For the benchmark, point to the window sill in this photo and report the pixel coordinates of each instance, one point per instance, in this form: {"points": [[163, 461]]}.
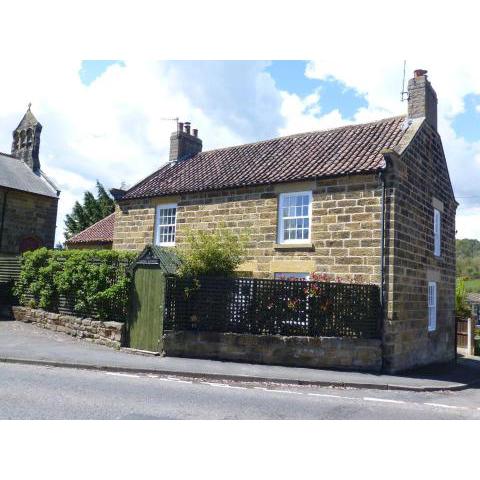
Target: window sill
{"points": [[306, 247]]}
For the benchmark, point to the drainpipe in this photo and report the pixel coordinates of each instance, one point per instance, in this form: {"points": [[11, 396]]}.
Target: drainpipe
{"points": [[2, 220], [382, 246]]}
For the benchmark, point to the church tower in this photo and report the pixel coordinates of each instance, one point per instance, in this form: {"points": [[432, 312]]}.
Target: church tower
{"points": [[26, 140]]}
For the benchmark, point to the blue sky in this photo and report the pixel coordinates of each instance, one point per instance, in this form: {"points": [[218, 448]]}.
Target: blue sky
{"points": [[105, 119], [92, 69], [290, 76], [467, 124]]}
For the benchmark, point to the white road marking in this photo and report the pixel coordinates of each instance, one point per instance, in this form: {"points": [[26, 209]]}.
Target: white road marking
{"points": [[386, 400], [443, 405], [222, 385], [285, 391], [234, 386], [324, 395], [174, 379], [116, 374], [332, 396]]}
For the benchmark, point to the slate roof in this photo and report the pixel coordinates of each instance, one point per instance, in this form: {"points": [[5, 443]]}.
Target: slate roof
{"points": [[354, 149], [100, 232], [165, 257], [28, 120], [16, 174]]}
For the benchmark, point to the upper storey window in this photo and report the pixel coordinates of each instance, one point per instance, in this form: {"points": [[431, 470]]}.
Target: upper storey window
{"points": [[295, 217]]}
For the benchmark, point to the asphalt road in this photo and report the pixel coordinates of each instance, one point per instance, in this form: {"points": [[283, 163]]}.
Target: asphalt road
{"points": [[33, 392]]}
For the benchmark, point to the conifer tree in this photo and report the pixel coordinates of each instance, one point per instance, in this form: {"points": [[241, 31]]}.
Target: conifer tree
{"points": [[91, 211]]}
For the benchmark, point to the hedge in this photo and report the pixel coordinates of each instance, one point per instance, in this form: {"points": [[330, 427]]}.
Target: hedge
{"points": [[93, 282]]}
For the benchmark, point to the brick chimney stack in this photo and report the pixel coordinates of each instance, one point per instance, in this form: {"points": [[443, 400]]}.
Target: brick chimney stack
{"points": [[422, 99], [184, 145]]}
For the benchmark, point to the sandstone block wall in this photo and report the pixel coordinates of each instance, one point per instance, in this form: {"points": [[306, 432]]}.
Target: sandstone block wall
{"points": [[27, 215], [418, 182], [345, 226], [321, 352], [111, 334]]}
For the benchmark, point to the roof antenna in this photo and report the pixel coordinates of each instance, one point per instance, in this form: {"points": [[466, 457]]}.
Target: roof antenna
{"points": [[404, 94]]}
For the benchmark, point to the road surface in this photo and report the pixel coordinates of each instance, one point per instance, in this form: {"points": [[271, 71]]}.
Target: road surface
{"points": [[38, 392]]}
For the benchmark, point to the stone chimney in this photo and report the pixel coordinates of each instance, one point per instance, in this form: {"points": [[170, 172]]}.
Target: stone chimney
{"points": [[183, 144], [117, 193], [422, 99]]}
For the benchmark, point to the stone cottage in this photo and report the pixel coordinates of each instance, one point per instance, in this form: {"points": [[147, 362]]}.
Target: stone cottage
{"points": [[28, 198], [371, 203], [98, 236]]}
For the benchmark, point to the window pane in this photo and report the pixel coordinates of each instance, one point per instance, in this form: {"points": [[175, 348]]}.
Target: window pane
{"points": [[166, 218], [295, 221]]}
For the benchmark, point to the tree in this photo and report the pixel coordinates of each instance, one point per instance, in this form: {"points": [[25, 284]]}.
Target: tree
{"points": [[92, 210], [462, 310], [468, 258]]}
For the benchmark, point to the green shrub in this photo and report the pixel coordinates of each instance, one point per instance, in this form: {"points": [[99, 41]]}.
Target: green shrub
{"points": [[36, 284], [91, 280], [216, 253], [462, 310]]}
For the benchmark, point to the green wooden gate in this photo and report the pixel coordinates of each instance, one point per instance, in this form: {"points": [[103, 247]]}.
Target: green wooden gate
{"points": [[145, 322], [146, 318]]}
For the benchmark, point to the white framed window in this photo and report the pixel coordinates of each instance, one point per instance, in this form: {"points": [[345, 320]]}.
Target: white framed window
{"points": [[295, 217], [437, 232], [432, 306], [165, 223], [291, 276]]}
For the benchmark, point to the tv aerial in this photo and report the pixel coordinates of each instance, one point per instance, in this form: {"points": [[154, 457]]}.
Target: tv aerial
{"points": [[404, 93]]}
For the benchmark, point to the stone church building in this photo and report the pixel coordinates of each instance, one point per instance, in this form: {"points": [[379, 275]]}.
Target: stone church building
{"points": [[28, 198]]}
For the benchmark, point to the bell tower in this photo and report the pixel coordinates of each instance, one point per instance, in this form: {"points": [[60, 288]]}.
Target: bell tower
{"points": [[26, 140]]}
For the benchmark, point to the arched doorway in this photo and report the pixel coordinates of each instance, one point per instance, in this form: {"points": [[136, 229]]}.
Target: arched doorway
{"points": [[29, 243]]}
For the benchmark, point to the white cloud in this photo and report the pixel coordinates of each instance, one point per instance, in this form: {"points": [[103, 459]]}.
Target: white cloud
{"points": [[304, 114], [113, 130], [453, 77]]}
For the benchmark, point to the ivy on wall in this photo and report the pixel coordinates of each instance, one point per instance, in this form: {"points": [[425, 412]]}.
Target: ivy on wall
{"points": [[92, 282]]}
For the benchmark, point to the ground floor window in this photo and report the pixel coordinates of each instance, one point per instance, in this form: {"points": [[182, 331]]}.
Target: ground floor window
{"points": [[291, 276]]}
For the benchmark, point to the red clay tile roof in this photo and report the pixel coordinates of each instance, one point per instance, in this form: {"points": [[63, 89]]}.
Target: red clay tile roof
{"points": [[100, 232], [341, 151]]}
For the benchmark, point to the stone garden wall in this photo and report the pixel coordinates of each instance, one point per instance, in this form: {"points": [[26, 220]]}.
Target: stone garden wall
{"points": [[319, 352], [111, 334]]}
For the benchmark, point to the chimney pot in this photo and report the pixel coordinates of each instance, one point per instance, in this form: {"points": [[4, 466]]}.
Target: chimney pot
{"points": [[195, 132], [180, 126], [420, 73], [187, 127]]}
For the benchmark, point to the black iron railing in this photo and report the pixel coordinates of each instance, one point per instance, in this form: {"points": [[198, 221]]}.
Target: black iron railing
{"points": [[272, 307]]}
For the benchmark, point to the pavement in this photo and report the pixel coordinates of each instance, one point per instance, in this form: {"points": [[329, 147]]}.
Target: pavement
{"points": [[27, 344]]}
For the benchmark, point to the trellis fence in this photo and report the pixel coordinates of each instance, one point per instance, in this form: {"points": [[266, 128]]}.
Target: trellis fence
{"points": [[272, 307], [9, 272]]}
